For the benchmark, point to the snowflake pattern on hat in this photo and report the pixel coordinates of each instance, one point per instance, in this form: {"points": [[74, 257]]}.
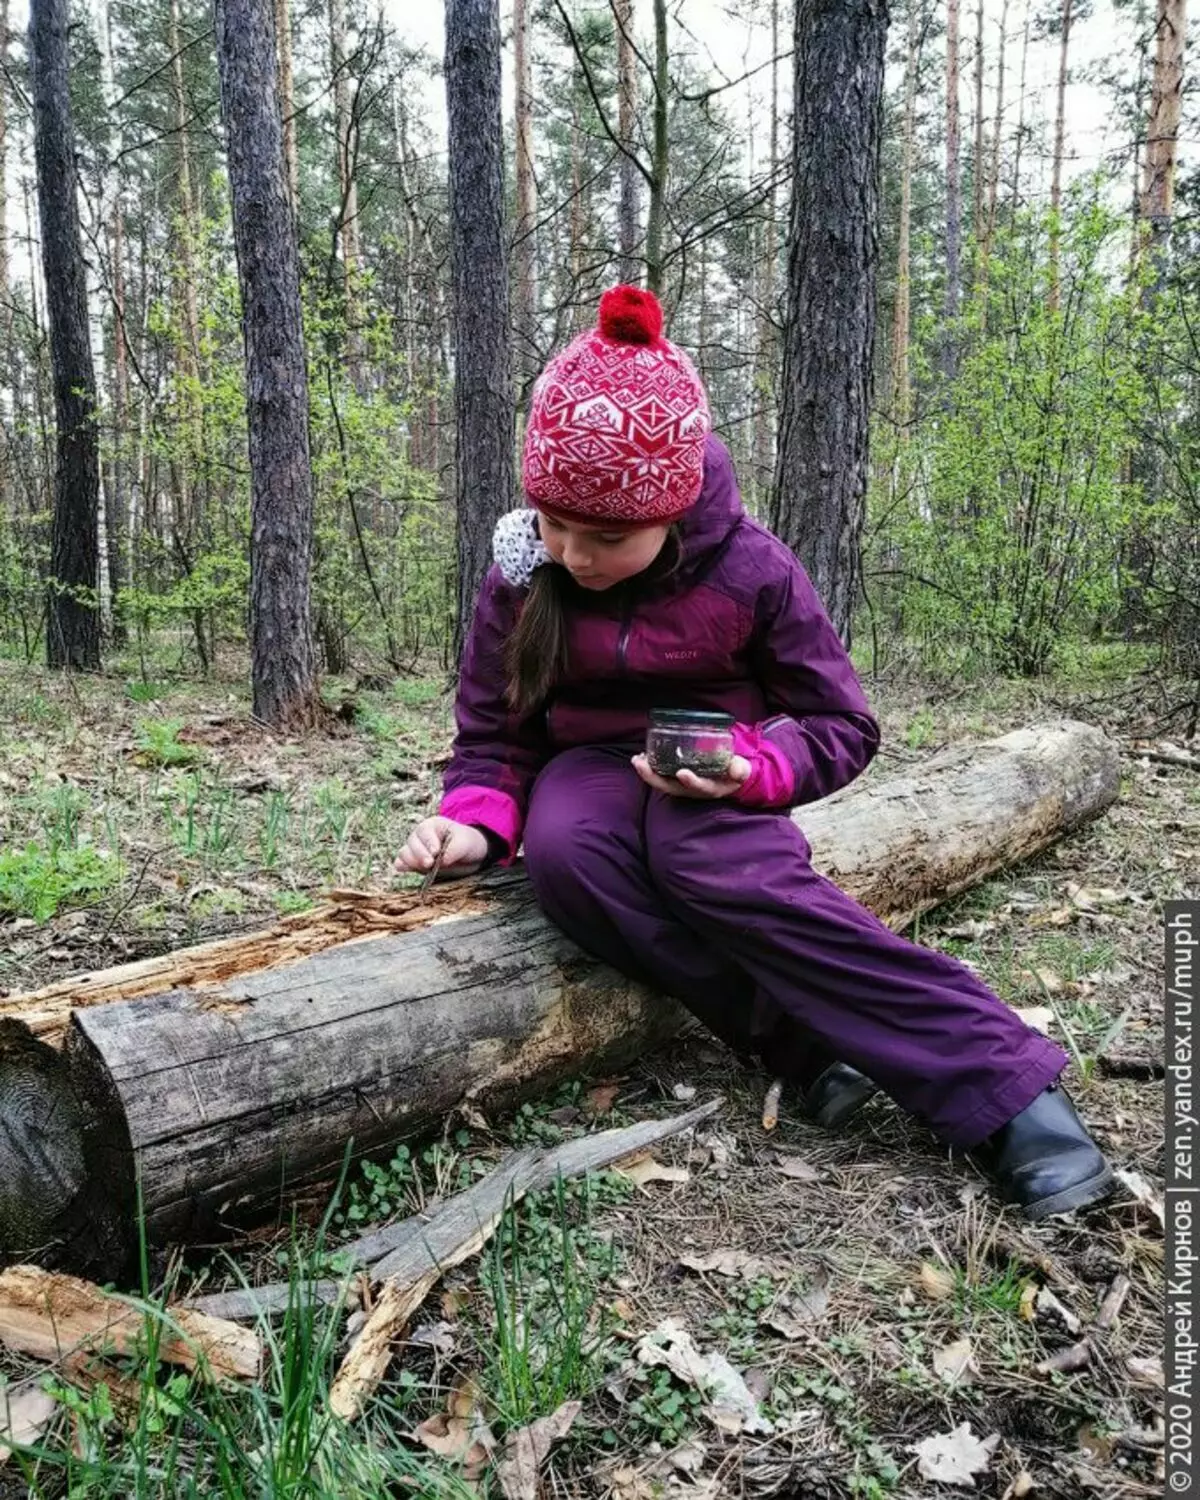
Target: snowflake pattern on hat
{"points": [[618, 421], [517, 547]]}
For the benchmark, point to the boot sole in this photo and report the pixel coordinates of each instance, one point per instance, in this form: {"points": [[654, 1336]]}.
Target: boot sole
{"points": [[845, 1106], [1078, 1195]]}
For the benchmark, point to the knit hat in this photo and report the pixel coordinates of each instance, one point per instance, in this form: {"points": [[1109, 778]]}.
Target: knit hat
{"points": [[618, 421]]}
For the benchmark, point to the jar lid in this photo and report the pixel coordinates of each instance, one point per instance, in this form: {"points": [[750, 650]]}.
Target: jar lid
{"points": [[690, 718]]}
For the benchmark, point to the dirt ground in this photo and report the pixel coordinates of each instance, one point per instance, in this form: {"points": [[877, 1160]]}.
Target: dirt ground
{"points": [[867, 1285]]}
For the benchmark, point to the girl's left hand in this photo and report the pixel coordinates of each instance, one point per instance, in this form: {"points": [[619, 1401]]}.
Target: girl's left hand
{"points": [[688, 784]]}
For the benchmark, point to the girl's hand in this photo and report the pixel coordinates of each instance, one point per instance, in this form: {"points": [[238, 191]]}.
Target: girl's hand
{"points": [[697, 788], [463, 848]]}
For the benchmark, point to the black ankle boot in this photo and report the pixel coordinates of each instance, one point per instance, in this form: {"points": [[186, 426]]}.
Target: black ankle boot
{"points": [[1044, 1161], [836, 1095]]}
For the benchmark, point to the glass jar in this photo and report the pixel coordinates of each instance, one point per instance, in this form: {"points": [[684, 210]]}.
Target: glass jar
{"points": [[682, 739]]}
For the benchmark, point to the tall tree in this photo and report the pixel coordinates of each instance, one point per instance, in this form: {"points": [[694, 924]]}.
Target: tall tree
{"points": [[73, 615], [282, 661], [902, 314], [627, 95], [821, 472], [287, 98], [661, 160], [483, 398], [1156, 202], [525, 233], [1060, 136], [346, 126], [953, 291], [766, 352]]}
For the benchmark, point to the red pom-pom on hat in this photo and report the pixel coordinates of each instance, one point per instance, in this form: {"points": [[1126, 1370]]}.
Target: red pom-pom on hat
{"points": [[629, 315]]}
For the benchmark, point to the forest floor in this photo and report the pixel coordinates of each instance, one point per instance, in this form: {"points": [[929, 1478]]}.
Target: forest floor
{"points": [[866, 1285]]}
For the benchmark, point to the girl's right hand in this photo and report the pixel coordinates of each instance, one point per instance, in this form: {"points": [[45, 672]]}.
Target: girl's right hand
{"points": [[464, 848]]}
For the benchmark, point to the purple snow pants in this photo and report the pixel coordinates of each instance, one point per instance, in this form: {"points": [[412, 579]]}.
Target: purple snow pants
{"points": [[719, 905]]}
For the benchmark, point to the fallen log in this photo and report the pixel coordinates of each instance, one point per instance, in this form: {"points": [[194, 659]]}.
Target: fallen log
{"points": [[211, 1080]]}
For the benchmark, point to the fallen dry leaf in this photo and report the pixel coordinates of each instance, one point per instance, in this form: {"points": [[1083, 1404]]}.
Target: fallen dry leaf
{"points": [[955, 1457], [25, 1413], [936, 1282], [796, 1168], [955, 1363], [796, 1315], [526, 1450], [1040, 1017], [599, 1100], [460, 1433], [644, 1169], [730, 1262], [731, 1407], [1143, 1192], [1047, 979]]}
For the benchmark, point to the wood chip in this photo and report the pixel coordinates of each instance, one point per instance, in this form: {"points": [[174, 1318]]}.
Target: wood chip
{"points": [[49, 1315]]}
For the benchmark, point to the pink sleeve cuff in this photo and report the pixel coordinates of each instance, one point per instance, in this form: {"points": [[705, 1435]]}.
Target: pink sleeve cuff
{"points": [[771, 781], [494, 809]]}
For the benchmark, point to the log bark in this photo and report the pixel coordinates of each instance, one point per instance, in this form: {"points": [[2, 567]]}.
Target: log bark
{"points": [[232, 1073]]}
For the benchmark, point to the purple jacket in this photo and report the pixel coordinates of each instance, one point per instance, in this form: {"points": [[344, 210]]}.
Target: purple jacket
{"points": [[737, 626]]}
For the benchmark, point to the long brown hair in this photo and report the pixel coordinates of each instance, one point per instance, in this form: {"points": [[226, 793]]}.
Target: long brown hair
{"points": [[536, 656]]}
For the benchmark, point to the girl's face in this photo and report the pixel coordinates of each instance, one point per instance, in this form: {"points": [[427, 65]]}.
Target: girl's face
{"points": [[599, 557]]}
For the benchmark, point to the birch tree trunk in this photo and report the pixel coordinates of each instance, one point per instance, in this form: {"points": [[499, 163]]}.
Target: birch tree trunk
{"points": [[821, 473], [73, 614], [282, 660], [482, 360]]}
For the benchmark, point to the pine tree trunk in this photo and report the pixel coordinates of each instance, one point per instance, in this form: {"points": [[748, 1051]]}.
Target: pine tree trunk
{"points": [[821, 475], [627, 204], [282, 660], [902, 322], [1060, 132], [73, 618], [953, 290], [658, 174], [482, 361], [287, 99], [1155, 211], [525, 235]]}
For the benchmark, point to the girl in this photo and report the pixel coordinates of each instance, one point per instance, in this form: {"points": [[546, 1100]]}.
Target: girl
{"points": [[637, 582]]}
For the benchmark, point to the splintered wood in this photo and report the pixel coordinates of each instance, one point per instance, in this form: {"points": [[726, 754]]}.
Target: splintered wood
{"points": [[51, 1316], [348, 916]]}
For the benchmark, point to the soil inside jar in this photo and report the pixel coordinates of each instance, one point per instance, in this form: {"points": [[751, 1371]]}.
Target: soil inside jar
{"points": [[713, 763]]}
